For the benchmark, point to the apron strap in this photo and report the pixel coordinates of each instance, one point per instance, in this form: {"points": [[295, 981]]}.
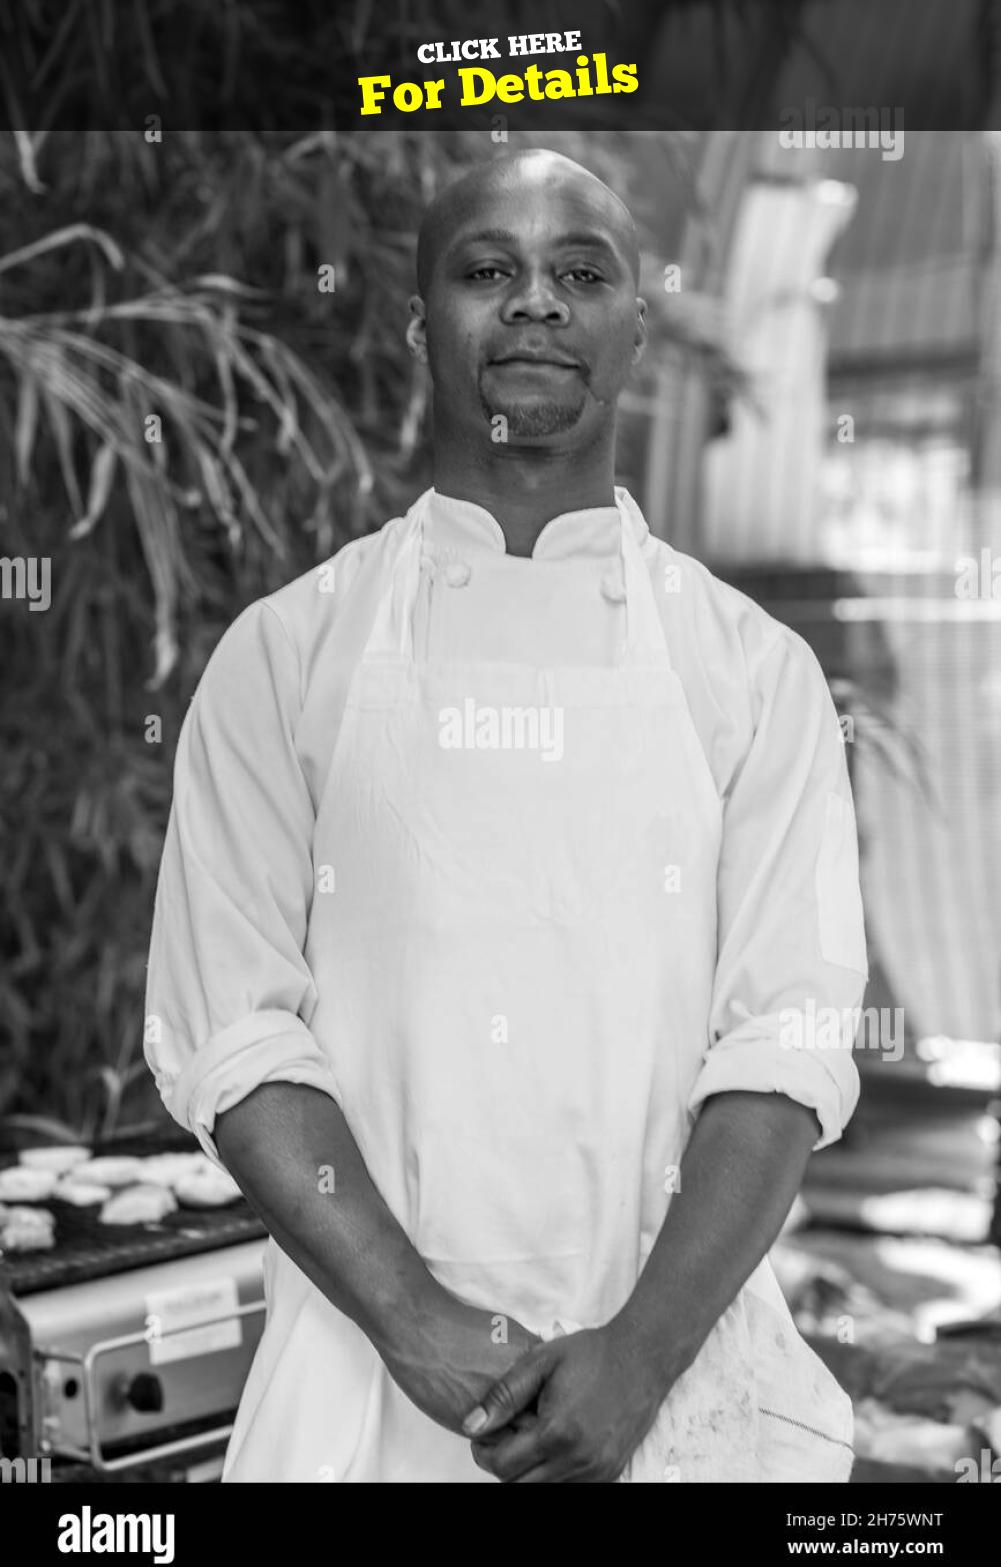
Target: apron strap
{"points": [[646, 641], [392, 633], [391, 636]]}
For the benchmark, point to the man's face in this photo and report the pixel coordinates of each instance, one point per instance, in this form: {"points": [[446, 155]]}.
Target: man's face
{"points": [[531, 313]]}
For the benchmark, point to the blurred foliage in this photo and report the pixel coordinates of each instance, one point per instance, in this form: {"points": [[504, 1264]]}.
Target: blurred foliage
{"points": [[176, 280], [179, 280]]}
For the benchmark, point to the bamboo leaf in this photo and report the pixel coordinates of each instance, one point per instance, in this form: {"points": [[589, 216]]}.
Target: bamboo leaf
{"points": [[154, 75], [66, 236], [102, 474], [153, 520], [47, 1125], [26, 148], [228, 285], [62, 431], [62, 32], [26, 426]]}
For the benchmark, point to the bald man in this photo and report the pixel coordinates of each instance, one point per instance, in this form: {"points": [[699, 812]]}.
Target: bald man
{"points": [[508, 938]]}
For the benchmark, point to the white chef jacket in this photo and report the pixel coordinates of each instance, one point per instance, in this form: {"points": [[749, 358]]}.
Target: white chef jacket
{"points": [[230, 995]]}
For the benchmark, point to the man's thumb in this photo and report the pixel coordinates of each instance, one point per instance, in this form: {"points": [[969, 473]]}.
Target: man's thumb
{"points": [[509, 1395]]}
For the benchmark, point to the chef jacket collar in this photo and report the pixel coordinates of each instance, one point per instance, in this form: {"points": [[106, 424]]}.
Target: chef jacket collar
{"points": [[467, 529]]}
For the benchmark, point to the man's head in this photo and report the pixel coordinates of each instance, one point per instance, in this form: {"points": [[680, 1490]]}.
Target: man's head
{"points": [[527, 271]]}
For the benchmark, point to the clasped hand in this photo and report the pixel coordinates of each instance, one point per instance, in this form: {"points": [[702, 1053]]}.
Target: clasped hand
{"points": [[572, 1410]]}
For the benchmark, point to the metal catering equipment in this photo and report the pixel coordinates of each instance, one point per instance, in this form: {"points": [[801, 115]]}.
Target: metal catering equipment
{"points": [[124, 1349]]}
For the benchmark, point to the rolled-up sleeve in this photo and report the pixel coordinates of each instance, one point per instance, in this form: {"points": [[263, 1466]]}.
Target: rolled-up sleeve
{"points": [[791, 955], [229, 994]]}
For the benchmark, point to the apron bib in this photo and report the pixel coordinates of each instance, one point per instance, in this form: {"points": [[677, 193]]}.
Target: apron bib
{"points": [[522, 939]]}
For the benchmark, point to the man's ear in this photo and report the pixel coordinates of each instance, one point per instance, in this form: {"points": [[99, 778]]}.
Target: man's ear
{"points": [[417, 330], [639, 338]]}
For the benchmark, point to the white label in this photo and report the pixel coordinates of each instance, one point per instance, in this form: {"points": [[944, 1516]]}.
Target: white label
{"points": [[167, 1311]]}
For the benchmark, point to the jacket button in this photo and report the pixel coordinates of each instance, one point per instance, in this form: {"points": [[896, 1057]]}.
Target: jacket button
{"points": [[457, 574], [613, 587]]}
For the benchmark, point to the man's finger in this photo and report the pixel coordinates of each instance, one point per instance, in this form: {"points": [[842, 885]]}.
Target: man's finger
{"points": [[550, 1473], [513, 1453], [522, 1422], [510, 1394]]}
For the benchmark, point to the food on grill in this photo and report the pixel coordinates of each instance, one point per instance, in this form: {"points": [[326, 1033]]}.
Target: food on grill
{"points": [[128, 1189], [19, 1184], [115, 1170], [208, 1187], [138, 1205], [18, 1236], [165, 1169], [59, 1158], [26, 1229], [37, 1218], [81, 1193]]}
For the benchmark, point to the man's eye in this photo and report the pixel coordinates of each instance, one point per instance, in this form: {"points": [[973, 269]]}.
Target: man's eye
{"points": [[584, 275], [487, 271]]}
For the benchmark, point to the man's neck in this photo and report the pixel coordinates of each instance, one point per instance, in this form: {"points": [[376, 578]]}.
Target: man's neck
{"points": [[525, 488]]}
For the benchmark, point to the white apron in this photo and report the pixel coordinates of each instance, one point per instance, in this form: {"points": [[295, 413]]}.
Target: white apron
{"points": [[524, 942]]}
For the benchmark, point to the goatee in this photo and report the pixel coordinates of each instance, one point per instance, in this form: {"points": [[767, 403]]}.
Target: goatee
{"points": [[535, 418]]}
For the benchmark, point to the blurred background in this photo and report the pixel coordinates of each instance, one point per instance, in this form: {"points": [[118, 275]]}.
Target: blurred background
{"points": [[204, 391]]}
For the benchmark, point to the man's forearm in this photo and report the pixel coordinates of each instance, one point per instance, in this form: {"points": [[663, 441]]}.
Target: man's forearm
{"points": [[291, 1150], [296, 1159], [741, 1170]]}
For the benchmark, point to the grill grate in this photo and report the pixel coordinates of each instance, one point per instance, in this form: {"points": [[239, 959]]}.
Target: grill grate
{"points": [[85, 1249]]}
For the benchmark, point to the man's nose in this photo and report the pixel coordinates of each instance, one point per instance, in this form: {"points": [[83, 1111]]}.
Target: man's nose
{"points": [[535, 299]]}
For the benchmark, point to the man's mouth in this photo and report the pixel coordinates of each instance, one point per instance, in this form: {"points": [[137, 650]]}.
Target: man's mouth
{"points": [[547, 361], [537, 353]]}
